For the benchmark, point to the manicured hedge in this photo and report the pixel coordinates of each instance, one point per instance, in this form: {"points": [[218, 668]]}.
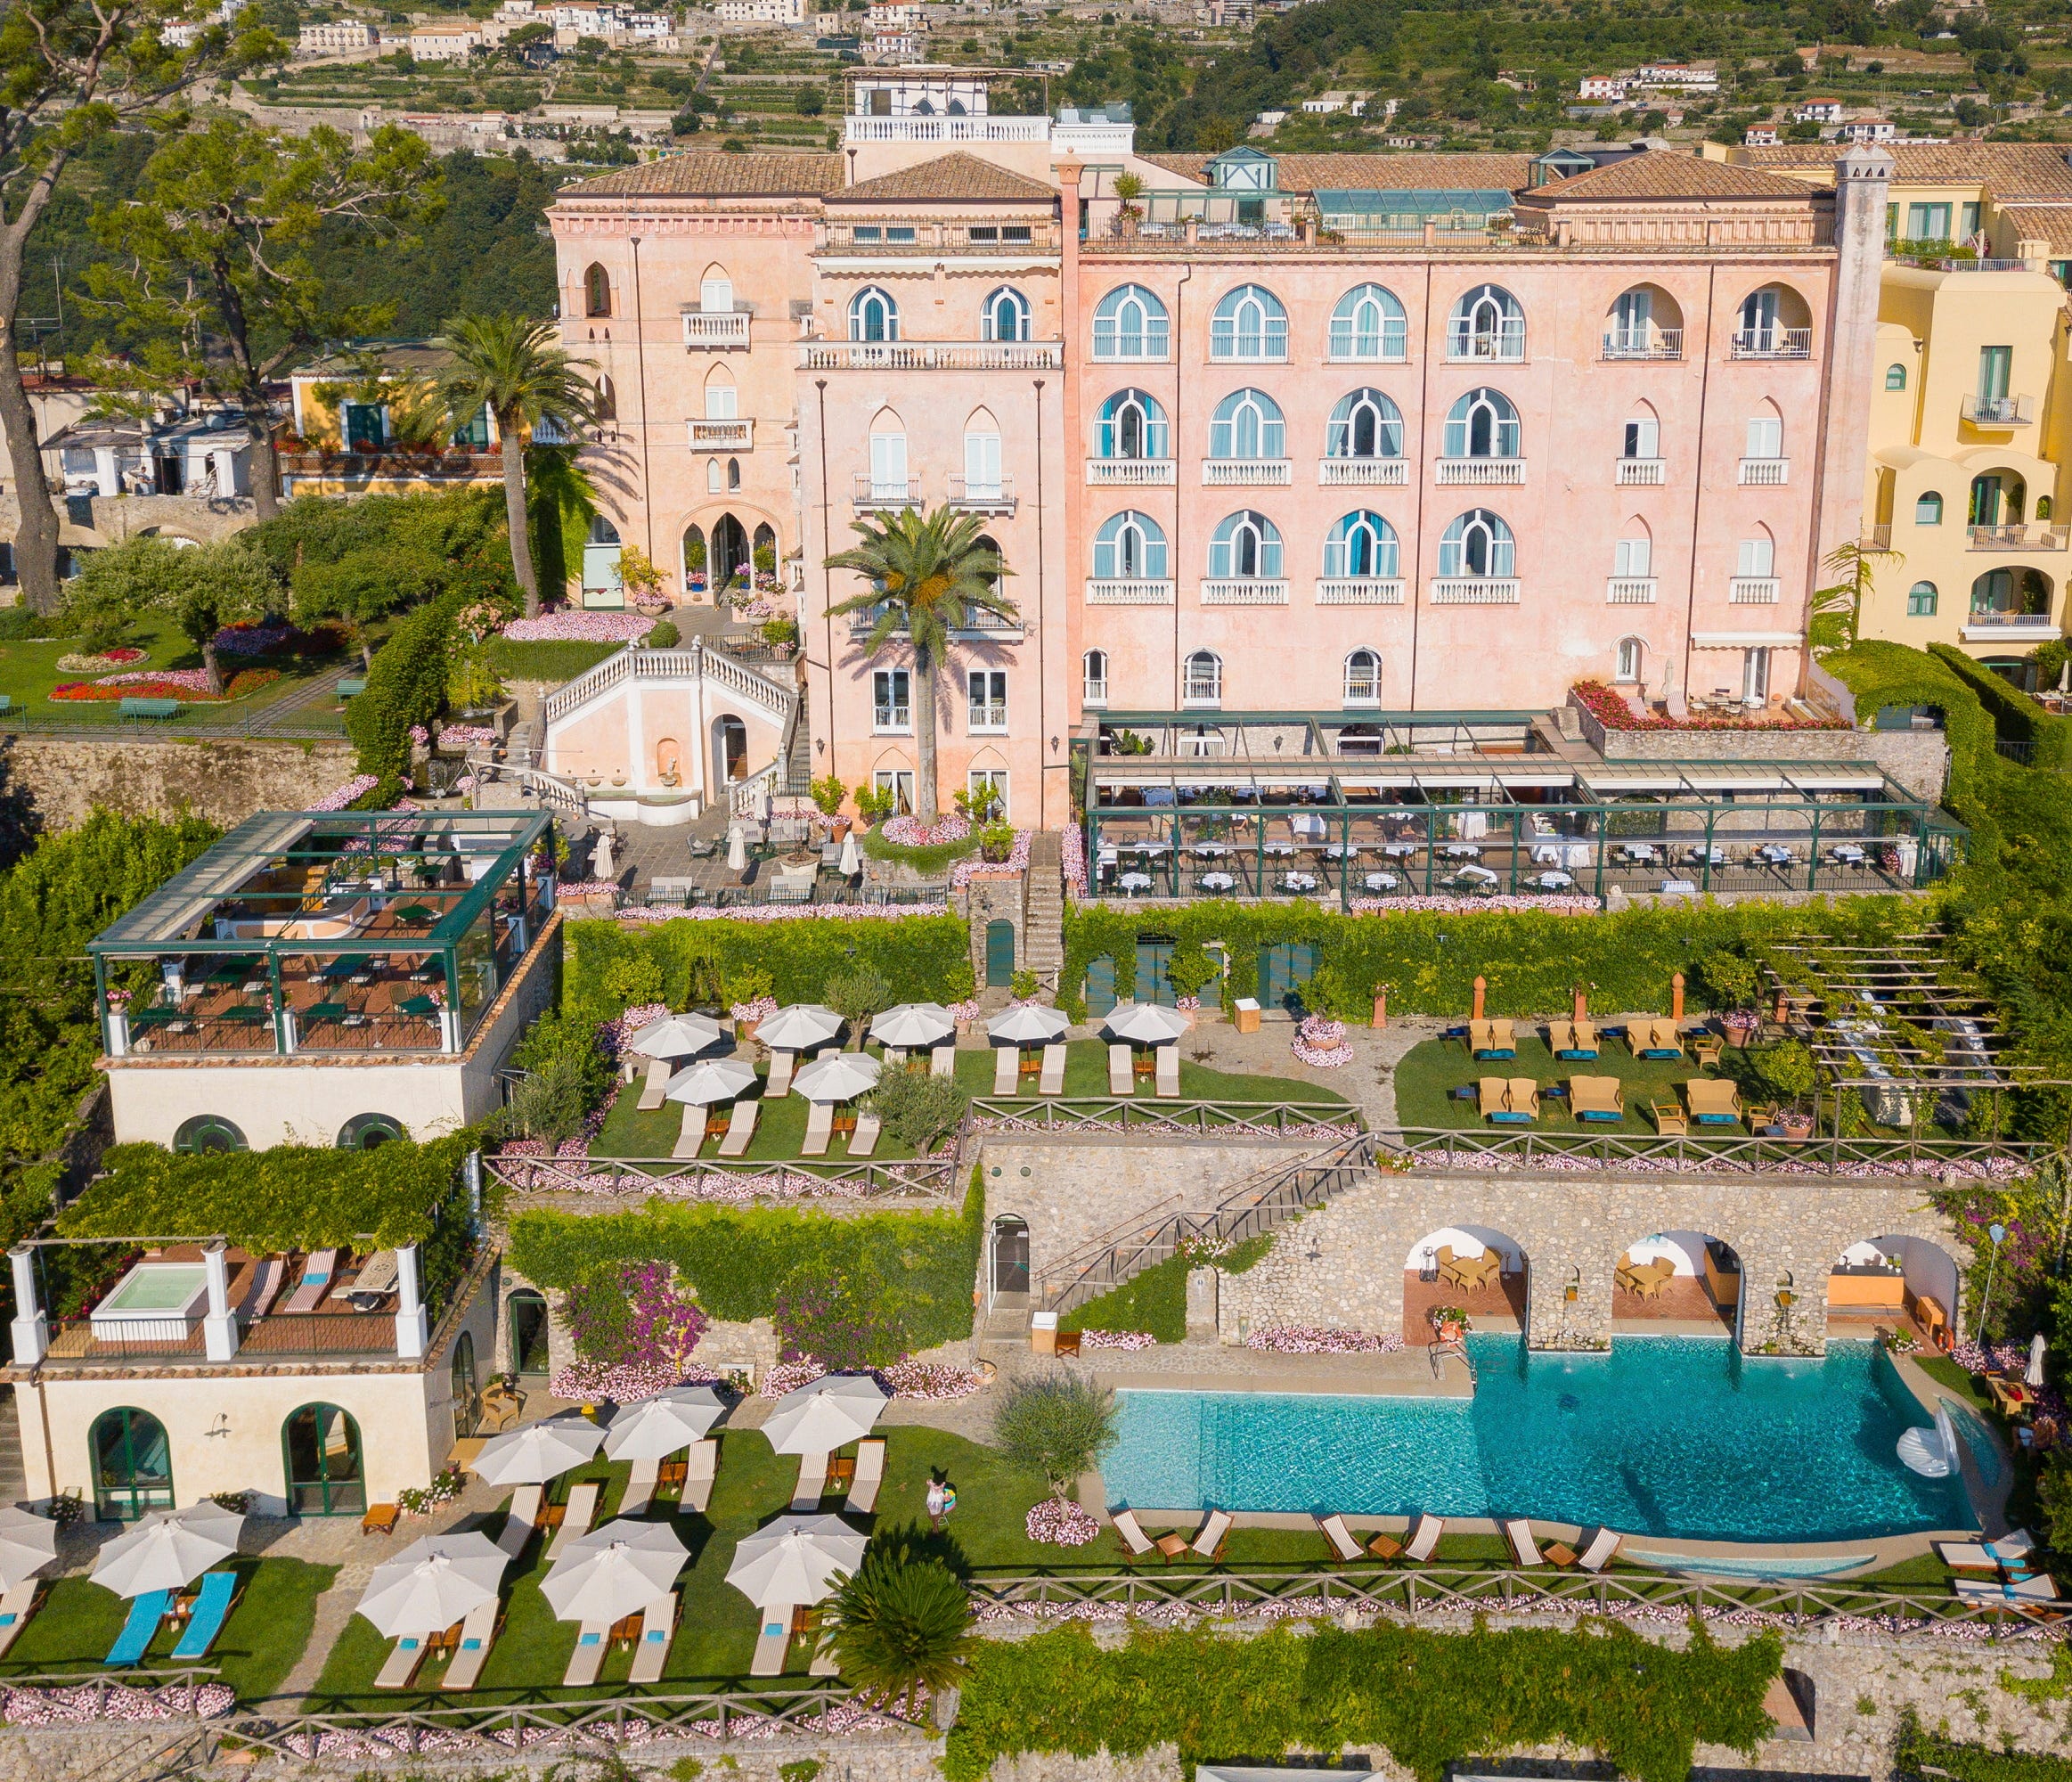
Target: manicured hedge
{"points": [[1429, 1699], [2015, 716], [406, 686]]}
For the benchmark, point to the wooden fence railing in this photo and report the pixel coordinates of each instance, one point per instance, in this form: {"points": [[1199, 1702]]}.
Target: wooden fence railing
{"points": [[788, 1178], [1180, 1118], [1733, 1154]]}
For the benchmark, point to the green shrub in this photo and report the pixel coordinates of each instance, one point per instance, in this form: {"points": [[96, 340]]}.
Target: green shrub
{"points": [[1921, 1756], [406, 686], [857, 995], [918, 1108], [1057, 1424], [665, 636], [550, 1103], [2016, 717], [931, 861], [828, 794]]}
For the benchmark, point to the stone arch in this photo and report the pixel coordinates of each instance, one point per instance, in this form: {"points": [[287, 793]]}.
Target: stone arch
{"points": [[1007, 1255], [730, 739], [1433, 1275], [1865, 1292], [729, 551], [1683, 1277]]}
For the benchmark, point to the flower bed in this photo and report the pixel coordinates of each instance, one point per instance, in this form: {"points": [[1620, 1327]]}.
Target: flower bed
{"points": [[918, 1380], [1309, 1339], [1117, 1339], [1017, 861], [1072, 846], [1057, 1523], [190, 686], [621, 1382], [910, 832], [358, 786], [277, 640], [788, 1377], [121, 656], [1612, 710], [1320, 1041], [787, 912], [465, 736], [568, 626], [115, 1702], [1499, 903]]}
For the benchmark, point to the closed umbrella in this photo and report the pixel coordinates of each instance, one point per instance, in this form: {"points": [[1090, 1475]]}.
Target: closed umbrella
{"points": [[840, 1078], [711, 1080], [2035, 1375], [539, 1452], [852, 861], [675, 1036], [659, 1426], [913, 1025], [1145, 1024], [28, 1542], [167, 1549], [819, 1417], [737, 848], [799, 1028], [614, 1572], [1029, 1024], [434, 1582], [795, 1560]]}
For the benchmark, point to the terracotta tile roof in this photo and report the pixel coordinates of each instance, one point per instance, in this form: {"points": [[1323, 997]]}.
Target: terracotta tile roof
{"points": [[2050, 222], [952, 176], [2013, 169], [1381, 172], [707, 174], [1666, 174]]}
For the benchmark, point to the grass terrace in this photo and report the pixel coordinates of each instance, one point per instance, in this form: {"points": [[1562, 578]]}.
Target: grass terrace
{"points": [[1431, 1073]]}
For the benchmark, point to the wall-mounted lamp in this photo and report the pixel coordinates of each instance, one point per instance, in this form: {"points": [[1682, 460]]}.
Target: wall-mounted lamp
{"points": [[221, 1426], [1786, 1297], [1573, 1291]]}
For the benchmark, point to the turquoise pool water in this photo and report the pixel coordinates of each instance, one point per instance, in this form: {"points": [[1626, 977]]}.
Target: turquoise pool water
{"points": [[1664, 1435]]}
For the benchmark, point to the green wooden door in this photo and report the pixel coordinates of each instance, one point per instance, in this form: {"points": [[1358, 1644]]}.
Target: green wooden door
{"points": [[999, 954], [1154, 954], [1100, 992], [1283, 967]]}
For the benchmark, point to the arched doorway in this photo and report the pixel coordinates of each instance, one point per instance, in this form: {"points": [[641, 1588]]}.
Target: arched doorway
{"points": [[466, 1388], [695, 562], [526, 1318], [1473, 1267], [765, 552], [729, 750], [133, 1464], [321, 1447], [1894, 1283], [730, 553], [999, 953], [1671, 1277], [1010, 1255]]}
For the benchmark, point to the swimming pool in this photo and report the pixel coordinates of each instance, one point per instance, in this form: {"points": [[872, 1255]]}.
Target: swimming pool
{"points": [[1664, 1435]]}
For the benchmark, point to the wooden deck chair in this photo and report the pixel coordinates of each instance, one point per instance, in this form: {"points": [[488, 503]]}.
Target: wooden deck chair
{"points": [[1524, 1548], [1213, 1533], [1052, 1082], [1585, 1035], [581, 1513], [15, 1608], [781, 1065], [657, 1627], [740, 1128], [702, 1462], [1561, 1037], [819, 1130], [691, 1132], [1670, 1121], [588, 1658], [1423, 1540], [812, 1482], [1603, 1548], [1168, 1081], [1479, 1038], [1714, 1101], [942, 1059], [863, 1141], [477, 1633], [401, 1665], [1006, 1069], [1493, 1039], [519, 1520], [1658, 1039], [1344, 1542], [1597, 1098], [864, 1487], [658, 1076], [1122, 1075], [823, 1662], [640, 1487], [1132, 1535]]}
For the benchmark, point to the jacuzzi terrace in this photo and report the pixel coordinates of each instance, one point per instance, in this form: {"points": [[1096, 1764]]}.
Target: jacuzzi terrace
{"points": [[341, 933]]}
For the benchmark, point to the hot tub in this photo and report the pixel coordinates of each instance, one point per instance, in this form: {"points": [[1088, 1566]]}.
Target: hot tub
{"points": [[154, 1302]]}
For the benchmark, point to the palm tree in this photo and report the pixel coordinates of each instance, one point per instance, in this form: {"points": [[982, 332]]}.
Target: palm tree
{"points": [[509, 365], [901, 1626], [928, 573]]}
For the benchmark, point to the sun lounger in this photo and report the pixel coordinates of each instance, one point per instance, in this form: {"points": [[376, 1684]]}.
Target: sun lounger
{"points": [[819, 1130], [812, 1481], [781, 1065], [1344, 1542], [701, 1464], [1122, 1075], [1214, 1532], [942, 1059], [1052, 1082], [402, 1663], [740, 1128], [895, 1058], [15, 1608], [145, 1612], [2021, 1593], [1604, 1545], [1524, 1548], [1713, 1102], [658, 1076], [588, 1658], [1655, 1039], [640, 1487], [517, 1524], [211, 1609], [1423, 1540], [657, 1625], [1168, 1081], [581, 1513], [825, 1663], [1597, 1097], [869, 1475], [690, 1133], [772, 1642], [2010, 1551], [1492, 1039], [476, 1632], [1006, 1069], [863, 1141], [1132, 1534], [316, 1279], [1669, 1120], [264, 1289]]}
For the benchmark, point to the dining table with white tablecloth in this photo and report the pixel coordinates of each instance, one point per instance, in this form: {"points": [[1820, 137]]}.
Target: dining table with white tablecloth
{"points": [[1134, 882], [1380, 881], [1215, 881]]}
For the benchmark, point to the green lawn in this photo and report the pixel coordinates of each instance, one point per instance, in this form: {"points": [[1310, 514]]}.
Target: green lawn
{"points": [[78, 1621], [546, 660], [28, 670], [1430, 1070]]}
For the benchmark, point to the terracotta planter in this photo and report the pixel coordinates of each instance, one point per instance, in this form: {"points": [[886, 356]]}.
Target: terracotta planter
{"points": [[1449, 1332], [745, 1031], [1796, 1127]]}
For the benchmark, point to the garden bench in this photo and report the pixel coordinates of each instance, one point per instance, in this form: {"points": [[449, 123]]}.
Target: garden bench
{"points": [[351, 685], [157, 710]]}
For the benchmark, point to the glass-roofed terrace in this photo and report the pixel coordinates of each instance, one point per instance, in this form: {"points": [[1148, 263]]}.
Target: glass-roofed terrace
{"points": [[1353, 811], [342, 933]]}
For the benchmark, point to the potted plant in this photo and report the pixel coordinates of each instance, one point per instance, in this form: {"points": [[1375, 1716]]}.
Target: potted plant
{"points": [[827, 794], [1787, 1069], [1129, 188], [694, 564], [1740, 1025], [1450, 1322]]}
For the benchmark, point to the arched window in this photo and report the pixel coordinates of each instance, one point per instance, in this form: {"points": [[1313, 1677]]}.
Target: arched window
{"points": [[1360, 544], [1895, 377], [873, 315], [1247, 424], [715, 291], [1245, 547], [1363, 678], [597, 291], [888, 458], [1248, 323], [1756, 558], [1005, 317], [1203, 684], [982, 456], [366, 1131], [133, 1464], [1368, 323], [1765, 434], [1996, 499], [722, 399], [320, 1448], [1365, 425], [1482, 424], [1921, 601], [208, 1132], [1094, 678], [1130, 547], [608, 400], [733, 474], [1131, 425], [466, 1388], [1626, 665], [1774, 323], [1478, 544], [1129, 323], [1485, 324], [1927, 509], [525, 1318]]}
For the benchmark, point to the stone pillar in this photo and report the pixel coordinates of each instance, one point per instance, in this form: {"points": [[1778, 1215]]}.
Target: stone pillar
{"points": [[1863, 186], [1568, 1298], [1201, 1298], [219, 1327], [31, 1329], [413, 1331], [1783, 1301]]}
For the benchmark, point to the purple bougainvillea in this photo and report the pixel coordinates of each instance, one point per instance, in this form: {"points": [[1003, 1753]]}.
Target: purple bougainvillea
{"points": [[635, 1314]]}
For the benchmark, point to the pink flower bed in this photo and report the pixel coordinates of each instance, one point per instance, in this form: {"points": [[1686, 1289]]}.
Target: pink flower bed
{"points": [[358, 786], [194, 680], [788, 1377], [567, 627], [1308, 1339], [1117, 1339], [621, 1383], [761, 1009], [1473, 906], [1056, 1522], [1017, 861], [115, 1702], [1611, 710], [965, 1010], [1320, 1041], [1073, 846], [910, 832], [465, 736], [915, 1379], [787, 912]]}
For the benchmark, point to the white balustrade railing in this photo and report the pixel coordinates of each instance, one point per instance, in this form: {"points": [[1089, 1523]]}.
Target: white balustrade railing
{"points": [[1359, 591], [1630, 591], [930, 355], [1765, 473], [1133, 472], [1367, 473], [1456, 472], [1244, 472], [1243, 591], [1473, 591], [1641, 473], [715, 327], [1129, 593], [1752, 591]]}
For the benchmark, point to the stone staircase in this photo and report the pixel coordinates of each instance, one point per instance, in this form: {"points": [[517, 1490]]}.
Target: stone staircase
{"points": [[796, 779], [1043, 908]]}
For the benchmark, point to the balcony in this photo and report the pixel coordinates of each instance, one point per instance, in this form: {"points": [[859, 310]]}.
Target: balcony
{"points": [[1639, 473], [1359, 591], [1244, 473], [1659, 343], [722, 435], [1473, 591], [930, 355], [1764, 473], [1998, 413], [856, 129], [1487, 472], [2010, 629], [1365, 473], [875, 494], [1129, 593], [2017, 537], [1130, 472], [1504, 345], [715, 330], [1244, 591], [876, 241], [1771, 343], [1752, 591], [994, 496], [1630, 591]]}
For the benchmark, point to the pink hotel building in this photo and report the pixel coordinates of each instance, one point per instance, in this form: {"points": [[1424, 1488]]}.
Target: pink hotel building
{"points": [[1334, 435]]}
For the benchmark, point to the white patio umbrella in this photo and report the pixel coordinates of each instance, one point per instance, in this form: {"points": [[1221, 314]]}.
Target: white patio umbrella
{"points": [[614, 1571], [711, 1080], [539, 1452], [676, 1036], [434, 1582], [1029, 1024], [167, 1549], [28, 1542], [659, 1427], [852, 861], [913, 1025], [819, 1417], [799, 1028], [1145, 1024], [737, 848], [2034, 1375], [601, 865], [795, 1560], [842, 1078]]}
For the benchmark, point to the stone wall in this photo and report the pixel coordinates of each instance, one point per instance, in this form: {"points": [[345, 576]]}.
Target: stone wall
{"points": [[994, 897], [65, 778]]}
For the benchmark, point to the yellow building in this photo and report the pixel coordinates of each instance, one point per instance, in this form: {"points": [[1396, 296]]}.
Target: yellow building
{"points": [[369, 420]]}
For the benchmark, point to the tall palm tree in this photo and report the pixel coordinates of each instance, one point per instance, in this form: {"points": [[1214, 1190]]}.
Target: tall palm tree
{"points": [[928, 573], [509, 365]]}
